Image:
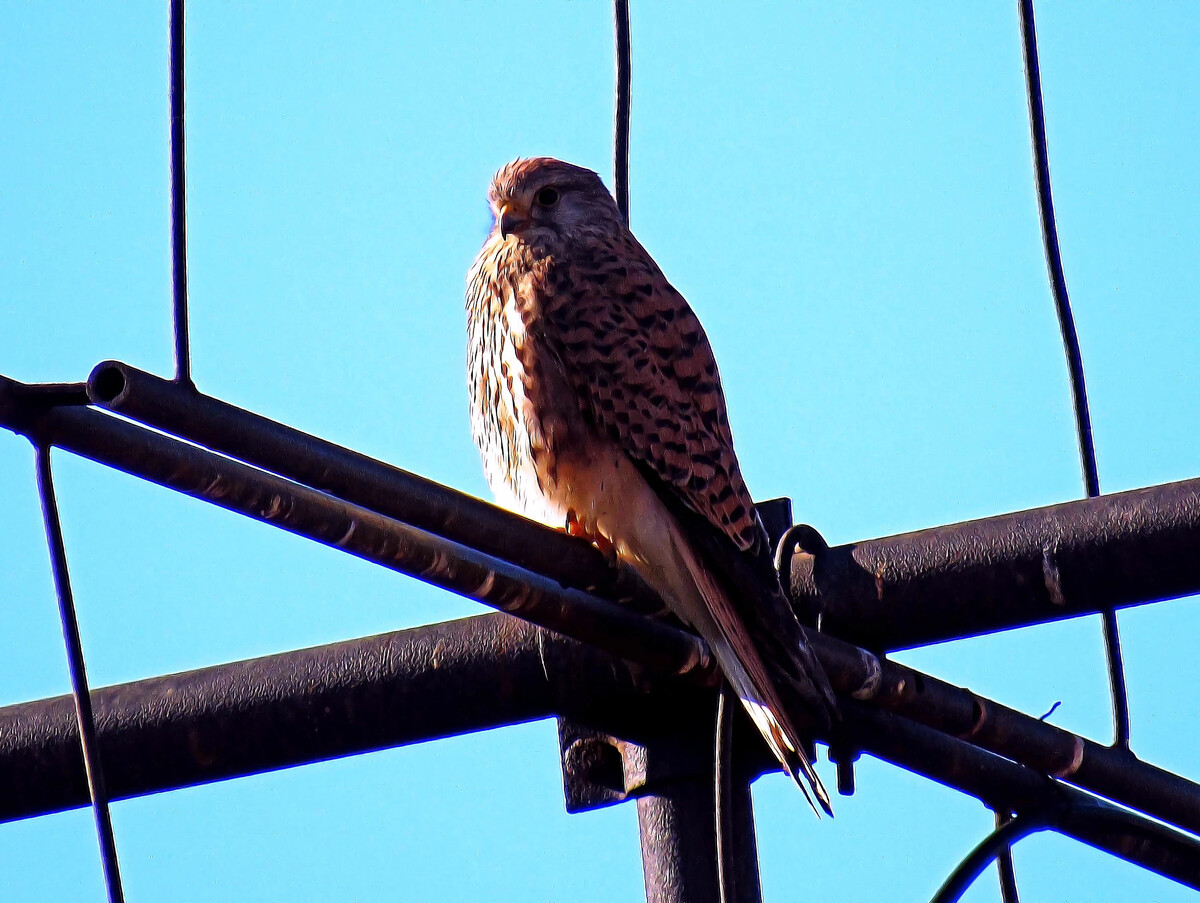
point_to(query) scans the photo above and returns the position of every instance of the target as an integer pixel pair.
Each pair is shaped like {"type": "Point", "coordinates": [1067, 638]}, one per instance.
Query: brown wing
{"type": "Point", "coordinates": [644, 373]}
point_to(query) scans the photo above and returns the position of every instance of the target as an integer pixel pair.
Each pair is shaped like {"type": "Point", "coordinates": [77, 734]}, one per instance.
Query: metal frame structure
{"type": "Point", "coordinates": [577, 639]}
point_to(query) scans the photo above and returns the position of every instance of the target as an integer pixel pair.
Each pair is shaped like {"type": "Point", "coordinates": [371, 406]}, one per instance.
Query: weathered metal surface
{"type": "Point", "coordinates": [1007, 571]}
{"type": "Point", "coordinates": [678, 836]}
{"type": "Point", "coordinates": [435, 681]}
{"type": "Point", "coordinates": [357, 478]}
{"type": "Point", "coordinates": [1067, 538]}
{"type": "Point", "coordinates": [309, 705]}
{"type": "Point", "coordinates": [366, 534]}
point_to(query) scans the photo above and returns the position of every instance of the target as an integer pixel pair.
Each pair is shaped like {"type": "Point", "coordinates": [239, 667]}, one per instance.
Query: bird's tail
{"type": "Point", "coordinates": [747, 673]}
{"type": "Point", "coordinates": [776, 728]}
{"type": "Point", "coordinates": [652, 541]}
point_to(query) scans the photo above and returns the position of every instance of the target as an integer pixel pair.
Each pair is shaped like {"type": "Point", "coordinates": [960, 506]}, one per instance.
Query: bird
{"type": "Point", "coordinates": [597, 408]}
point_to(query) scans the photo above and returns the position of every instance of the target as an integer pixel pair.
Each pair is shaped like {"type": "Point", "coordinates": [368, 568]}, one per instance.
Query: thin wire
{"type": "Point", "coordinates": [723, 794]}
{"type": "Point", "coordinates": [977, 860]}
{"type": "Point", "coordinates": [1004, 864]}
{"type": "Point", "coordinates": [179, 285]}
{"type": "Point", "coordinates": [1066, 323]}
{"type": "Point", "coordinates": [621, 112]}
{"type": "Point", "coordinates": [79, 684]}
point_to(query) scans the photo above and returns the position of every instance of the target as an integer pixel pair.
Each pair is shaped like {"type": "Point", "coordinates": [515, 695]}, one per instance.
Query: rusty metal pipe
{"type": "Point", "coordinates": [365, 534]}
{"type": "Point", "coordinates": [306, 706]}
{"type": "Point", "coordinates": [895, 592]}
{"type": "Point", "coordinates": [356, 478]}
{"type": "Point", "coordinates": [435, 681]}
{"type": "Point", "coordinates": [1007, 571]}
{"type": "Point", "coordinates": [1111, 773]}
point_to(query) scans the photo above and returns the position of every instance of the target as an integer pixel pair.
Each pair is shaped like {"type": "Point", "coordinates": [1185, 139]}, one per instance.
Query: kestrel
{"type": "Point", "coordinates": [597, 406]}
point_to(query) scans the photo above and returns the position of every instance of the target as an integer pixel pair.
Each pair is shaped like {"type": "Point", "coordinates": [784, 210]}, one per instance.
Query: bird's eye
{"type": "Point", "coordinates": [547, 197]}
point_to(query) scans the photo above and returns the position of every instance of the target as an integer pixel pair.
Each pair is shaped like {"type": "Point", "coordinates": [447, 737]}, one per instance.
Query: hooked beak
{"type": "Point", "coordinates": [511, 220]}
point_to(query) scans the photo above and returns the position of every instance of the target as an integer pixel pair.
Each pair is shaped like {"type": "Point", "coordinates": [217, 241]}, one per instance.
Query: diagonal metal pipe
{"type": "Point", "coordinates": [1011, 570]}
{"type": "Point", "coordinates": [357, 478]}
{"type": "Point", "coordinates": [298, 509]}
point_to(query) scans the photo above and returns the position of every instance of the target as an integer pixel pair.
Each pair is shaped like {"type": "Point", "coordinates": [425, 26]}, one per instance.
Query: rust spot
{"type": "Point", "coordinates": [1076, 759]}
{"type": "Point", "coordinates": [870, 686]}
{"type": "Point", "coordinates": [487, 586]}
{"type": "Point", "coordinates": [1052, 577]}
{"type": "Point", "coordinates": [435, 657]}
{"type": "Point", "coordinates": [349, 532]}
{"type": "Point", "coordinates": [981, 716]}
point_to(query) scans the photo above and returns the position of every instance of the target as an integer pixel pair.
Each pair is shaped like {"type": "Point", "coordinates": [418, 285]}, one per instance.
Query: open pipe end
{"type": "Point", "coordinates": [107, 382]}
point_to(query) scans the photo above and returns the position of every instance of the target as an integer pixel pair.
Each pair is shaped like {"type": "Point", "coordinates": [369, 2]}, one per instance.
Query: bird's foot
{"type": "Point", "coordinates": [575, 527]}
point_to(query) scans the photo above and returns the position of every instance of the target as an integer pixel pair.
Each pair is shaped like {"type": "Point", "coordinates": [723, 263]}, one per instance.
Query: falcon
{"type": "Point", "coordinates": [597, 407]}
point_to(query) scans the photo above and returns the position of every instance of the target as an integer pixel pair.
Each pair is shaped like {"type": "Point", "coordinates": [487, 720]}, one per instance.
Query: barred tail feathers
{"type": "Point", "coordinates": [698, 597]}
{"type": "Point", "coordinates": [776, 730]}
{"type": "Point", "coordinates": [652, 541]}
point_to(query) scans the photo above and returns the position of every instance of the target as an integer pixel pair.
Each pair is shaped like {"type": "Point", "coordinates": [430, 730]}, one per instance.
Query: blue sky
{"type": "Point", "coordinates": [844, 194]}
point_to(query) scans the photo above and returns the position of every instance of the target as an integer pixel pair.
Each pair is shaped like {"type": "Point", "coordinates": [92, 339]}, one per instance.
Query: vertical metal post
{"type": "Point", "coordinates": [679, 840]}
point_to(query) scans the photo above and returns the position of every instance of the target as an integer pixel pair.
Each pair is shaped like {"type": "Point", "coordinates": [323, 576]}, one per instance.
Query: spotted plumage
{"type": "Point", "coordinates": [597, 406]}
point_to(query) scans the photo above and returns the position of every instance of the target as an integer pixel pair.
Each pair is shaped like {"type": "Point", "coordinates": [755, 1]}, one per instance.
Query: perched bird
{"type": "Point", "coordinates": [597, 407]}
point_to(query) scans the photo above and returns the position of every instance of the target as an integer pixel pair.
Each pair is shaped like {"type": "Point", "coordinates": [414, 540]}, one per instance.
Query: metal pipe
{"type": "Point", "coordinates": [945, 582]}
{"type": "Point", "coordinates": [310, 705]}
{"type": "Point", "coordinates": [435, 681]}
{"type": "Point", "coordinates": [365, 534]}
{"type": "Point", "coordinates": [358, 479]}
{"type": "Point", "coordinates": [1011, 570]}
{"type": "Point", "coordinates": [678, 838]}
{"type": "Point", "coordinates": [1000, 783]}
{"type": "Point", "coordinates": [1112, 773]}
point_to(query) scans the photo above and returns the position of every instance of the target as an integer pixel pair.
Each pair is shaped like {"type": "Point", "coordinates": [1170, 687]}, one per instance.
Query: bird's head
{"type": "Point", "coordinates": [545, 201]}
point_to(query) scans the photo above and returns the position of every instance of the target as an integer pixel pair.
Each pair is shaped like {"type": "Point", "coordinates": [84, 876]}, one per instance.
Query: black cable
{"type": "Point", "coordinates": [1066, 323]}
{"type": "Point", "coordinates": [1004, 864]}
{"type": "Point", "coordinates": [977, 860]}
{"type": "Point", "coordinates": [179, 287]}
{"type": "Point", "coordinates": [79, 684]}
{"type": "Point", "coordinates": [621, 112]}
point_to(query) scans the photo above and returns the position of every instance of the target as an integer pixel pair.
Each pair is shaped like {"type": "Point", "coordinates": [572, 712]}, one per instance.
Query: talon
{"type": "Point", "coordinates": [574, 528]}
{"type": "Point", "coordinates": [606, 548]}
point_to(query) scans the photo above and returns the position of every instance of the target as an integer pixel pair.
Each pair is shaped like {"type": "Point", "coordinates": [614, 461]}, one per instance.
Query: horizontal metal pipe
{"type": "Point", "coordinates": [365, 534]}
{"type": "Point", "coordinates": [364, 481]}
{"type": "Point", "coordinates": [305, 706]}
{"type": "Point", "coordinates": [1111, 773]}
{"type": "Point", "coordinates": [435, 681]}
{"type": "Point", "coordinates": [1029, 567]}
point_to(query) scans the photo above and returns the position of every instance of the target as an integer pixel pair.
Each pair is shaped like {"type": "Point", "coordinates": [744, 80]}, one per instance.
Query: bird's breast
{"type": "Point", "coordinates": [517, 416]}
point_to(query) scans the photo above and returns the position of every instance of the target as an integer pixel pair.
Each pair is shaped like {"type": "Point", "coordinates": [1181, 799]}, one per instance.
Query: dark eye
{"type": "Point", "coordinates": [547, 197]}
